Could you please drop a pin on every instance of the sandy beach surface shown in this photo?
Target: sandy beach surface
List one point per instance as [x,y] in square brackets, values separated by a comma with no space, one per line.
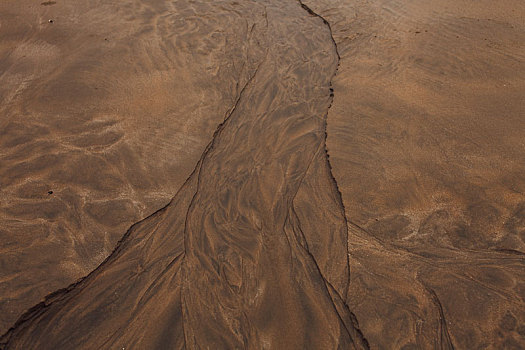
[262,174]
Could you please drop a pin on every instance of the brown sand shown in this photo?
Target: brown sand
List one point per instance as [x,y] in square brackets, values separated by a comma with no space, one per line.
[427,143]
[109,107]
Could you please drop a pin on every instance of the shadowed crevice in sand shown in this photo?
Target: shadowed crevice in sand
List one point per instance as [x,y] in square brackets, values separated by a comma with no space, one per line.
[252,252]
[338,195]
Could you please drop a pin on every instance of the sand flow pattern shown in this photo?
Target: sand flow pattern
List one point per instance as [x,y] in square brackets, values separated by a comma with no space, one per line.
[109,106]
[237,259]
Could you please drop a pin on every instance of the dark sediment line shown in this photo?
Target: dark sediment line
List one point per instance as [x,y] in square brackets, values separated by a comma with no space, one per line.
[313,13]
[339,195]
[444,342]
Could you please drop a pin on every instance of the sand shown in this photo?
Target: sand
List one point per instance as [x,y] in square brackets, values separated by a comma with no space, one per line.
[325,174]
[426,137]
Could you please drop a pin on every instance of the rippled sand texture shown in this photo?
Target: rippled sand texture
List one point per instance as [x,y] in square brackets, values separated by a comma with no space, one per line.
[426,139]
[109,107]
[252,251]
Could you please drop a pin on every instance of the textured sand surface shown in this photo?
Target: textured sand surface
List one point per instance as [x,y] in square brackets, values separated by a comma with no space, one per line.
[427,142]
[412,236]
[109,107]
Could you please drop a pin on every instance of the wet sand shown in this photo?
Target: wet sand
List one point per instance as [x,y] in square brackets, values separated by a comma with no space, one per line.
[426,137]
[109,108]
[364,188]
